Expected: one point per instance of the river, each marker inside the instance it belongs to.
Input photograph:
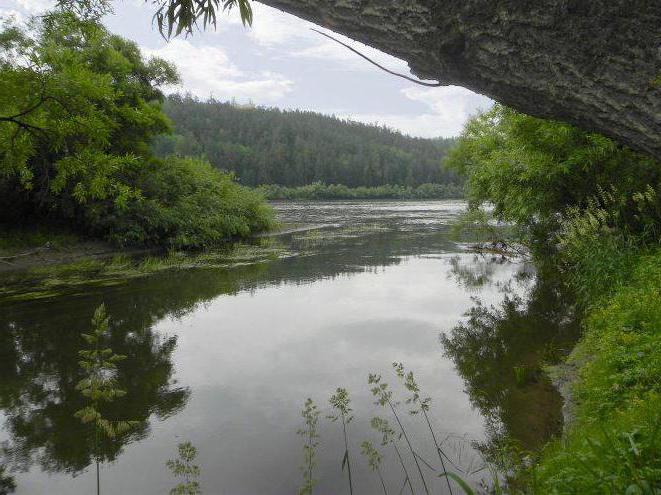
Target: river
(225, 358)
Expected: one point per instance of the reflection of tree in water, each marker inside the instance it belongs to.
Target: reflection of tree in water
(39, 369)
(498, 351)
(7, 483)
(40, 340)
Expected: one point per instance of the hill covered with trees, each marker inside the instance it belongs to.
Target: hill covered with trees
(295, 148)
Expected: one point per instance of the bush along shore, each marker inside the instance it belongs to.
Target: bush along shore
(81, 107)
(592, 209)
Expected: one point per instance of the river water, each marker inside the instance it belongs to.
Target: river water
(225, 358)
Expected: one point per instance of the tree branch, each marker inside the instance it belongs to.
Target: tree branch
(404, 76)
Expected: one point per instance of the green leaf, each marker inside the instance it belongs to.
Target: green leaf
(460, 481)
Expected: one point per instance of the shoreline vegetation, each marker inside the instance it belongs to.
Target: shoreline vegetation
(86, 142)
(321, 191)
(591, 211)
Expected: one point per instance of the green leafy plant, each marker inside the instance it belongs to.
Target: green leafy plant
(341, 404)
(99, 363)
(310, 434)
(183, 467)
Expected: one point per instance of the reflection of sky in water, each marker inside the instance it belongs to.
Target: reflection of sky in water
(251, 359)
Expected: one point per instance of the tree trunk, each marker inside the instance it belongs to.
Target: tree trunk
(593, 63)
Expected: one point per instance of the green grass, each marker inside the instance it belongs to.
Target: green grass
(614, 443)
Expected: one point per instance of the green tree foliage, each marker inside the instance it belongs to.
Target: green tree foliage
(531, 169)
(78, 110)
(295, 148)
(184, 203)
(599, 203)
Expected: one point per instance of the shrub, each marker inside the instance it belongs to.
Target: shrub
(185, 203)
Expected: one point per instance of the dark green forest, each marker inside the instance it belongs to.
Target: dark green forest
(295, 147)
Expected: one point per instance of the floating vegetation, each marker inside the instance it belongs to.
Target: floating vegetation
(71, 278)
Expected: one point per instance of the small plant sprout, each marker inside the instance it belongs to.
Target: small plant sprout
(183, 468)
(383, 396)
(373, 461)
(99, 365)
(388, 438)
(341, 405)
(418, 405)
(310, 434)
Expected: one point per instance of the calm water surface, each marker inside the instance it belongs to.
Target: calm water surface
(226, 357)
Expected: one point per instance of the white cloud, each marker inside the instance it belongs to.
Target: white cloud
(21, 10)
(207, 70)
(33, 6)
(450, 106)
(292, 37)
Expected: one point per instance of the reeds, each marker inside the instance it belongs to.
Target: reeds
(341, 406)
(420, 405)
(384, 398)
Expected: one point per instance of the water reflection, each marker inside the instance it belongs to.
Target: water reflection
(226, 357)
(499, 351)
(39, 368)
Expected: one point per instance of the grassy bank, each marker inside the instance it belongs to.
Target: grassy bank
(320, 190)
(613, 444)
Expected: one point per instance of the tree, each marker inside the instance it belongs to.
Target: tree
(532, 170)
(78, 107)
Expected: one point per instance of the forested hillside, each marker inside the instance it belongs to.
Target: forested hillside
(295, 148)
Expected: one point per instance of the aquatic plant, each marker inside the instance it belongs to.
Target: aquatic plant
(374, 459)
(420, 405)
(383, 395)
(183, 467)
(341, 404)
(310, 434)
(99, 364)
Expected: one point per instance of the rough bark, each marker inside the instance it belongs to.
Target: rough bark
(593, 63)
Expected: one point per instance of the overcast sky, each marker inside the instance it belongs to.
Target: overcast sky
(280, 62)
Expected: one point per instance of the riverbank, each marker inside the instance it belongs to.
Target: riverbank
(613, 442)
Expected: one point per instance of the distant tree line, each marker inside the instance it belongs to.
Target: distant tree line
(319, 190)
(296, 148)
